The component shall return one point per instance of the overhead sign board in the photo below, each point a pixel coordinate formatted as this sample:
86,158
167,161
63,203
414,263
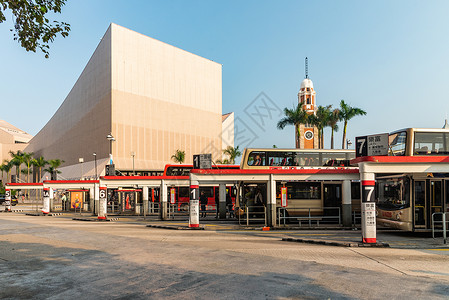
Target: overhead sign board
372,145
202,161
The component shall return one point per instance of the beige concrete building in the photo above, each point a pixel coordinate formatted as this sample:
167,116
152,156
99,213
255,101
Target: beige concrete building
152,97
11,139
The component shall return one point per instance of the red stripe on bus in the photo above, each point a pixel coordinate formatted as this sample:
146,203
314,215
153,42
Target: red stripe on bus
278,171
368,182
401,159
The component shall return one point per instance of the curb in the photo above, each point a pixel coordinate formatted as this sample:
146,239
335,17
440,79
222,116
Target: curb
337,243
95,219
175,227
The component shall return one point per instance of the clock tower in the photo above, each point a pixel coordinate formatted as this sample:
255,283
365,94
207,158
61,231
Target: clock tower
307,95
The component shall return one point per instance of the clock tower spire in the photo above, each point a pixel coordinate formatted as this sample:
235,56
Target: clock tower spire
308,138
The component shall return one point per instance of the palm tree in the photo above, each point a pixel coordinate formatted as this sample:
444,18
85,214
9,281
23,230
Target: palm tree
295,116
179,156
334,118
17,160
321,120
28,161
3,169
233,153
54,164
7,166
39,163
347,113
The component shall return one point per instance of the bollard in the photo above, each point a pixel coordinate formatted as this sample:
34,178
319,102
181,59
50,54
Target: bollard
102,209
46,207
194,216
7,200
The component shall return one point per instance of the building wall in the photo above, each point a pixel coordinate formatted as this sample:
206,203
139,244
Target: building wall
164,99
152,97
80,125
228,132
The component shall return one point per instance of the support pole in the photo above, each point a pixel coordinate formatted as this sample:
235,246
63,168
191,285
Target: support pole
194,213
145,200
7,200
271,202
46,207
368,208
52,196
95,211
163,202
222,201
346,203
102,201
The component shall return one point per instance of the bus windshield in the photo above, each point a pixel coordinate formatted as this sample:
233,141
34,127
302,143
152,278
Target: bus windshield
431,143
393,193
397,143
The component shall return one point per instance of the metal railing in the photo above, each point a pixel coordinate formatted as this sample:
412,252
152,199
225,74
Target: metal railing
444,221
282,215
253,213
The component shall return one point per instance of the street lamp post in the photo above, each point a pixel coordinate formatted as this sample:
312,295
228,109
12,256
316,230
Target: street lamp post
110,139
348,143
95,159
133,154
81,160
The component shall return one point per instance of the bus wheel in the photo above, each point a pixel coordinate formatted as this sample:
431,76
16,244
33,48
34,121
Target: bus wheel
184,207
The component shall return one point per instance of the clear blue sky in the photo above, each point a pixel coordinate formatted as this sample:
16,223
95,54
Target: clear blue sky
390,58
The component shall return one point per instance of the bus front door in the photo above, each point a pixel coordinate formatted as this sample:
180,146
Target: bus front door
436,200
420,219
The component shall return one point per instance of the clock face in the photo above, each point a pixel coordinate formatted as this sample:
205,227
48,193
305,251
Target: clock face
308,135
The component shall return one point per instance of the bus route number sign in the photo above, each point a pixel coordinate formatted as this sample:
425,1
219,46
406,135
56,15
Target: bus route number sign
202,161
372,145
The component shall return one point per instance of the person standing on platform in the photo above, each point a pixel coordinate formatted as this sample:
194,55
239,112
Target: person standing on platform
203,202
229,205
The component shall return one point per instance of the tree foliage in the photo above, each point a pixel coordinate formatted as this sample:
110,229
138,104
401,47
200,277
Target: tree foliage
295,116
233,153
348,112
32,27
179,156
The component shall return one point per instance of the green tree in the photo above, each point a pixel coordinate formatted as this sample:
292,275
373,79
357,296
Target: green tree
295,116
39,163
233,153
334,118
6,167
33,29
321,120
28,161
53,166
179,156
347,113
17,161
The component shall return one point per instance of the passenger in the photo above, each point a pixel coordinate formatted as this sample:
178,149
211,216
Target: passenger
229,205
258,161
217,205
284,161
203,202
258,199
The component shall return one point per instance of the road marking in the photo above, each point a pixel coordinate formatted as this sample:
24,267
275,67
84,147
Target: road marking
439,249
